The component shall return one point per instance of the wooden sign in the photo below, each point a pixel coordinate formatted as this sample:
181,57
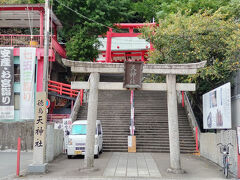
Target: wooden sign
133,74
131,143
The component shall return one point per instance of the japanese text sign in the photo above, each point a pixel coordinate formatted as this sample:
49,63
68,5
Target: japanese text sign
27,74
40,124
6,83
133,74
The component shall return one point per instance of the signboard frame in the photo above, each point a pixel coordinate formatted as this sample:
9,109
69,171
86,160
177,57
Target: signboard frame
133,74
217,108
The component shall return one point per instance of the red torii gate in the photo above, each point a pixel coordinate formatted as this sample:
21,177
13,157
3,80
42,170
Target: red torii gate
131,33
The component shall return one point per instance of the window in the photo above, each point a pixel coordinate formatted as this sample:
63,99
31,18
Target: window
79,129
16,72
99,129
16,101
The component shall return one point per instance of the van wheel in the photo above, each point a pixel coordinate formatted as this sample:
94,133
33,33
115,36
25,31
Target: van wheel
69,157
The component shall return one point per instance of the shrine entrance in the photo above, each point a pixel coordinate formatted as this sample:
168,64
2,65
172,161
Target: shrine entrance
133,80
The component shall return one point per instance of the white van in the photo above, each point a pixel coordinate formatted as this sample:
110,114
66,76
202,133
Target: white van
77,139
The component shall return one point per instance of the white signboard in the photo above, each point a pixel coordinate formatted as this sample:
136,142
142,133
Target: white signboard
67,127
217,108
27,66
58,125
129,141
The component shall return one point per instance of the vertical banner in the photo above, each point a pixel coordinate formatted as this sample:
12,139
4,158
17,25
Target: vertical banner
67,127
27,66
40,125
6,83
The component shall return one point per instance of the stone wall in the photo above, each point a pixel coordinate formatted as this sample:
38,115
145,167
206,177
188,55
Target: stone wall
9,133
54,142
209,149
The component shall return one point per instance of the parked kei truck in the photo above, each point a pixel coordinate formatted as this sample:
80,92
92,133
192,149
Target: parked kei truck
77,139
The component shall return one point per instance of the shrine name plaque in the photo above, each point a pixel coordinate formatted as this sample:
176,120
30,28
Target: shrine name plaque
133,74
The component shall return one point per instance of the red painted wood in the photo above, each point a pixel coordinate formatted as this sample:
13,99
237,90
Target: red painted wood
18,155
52,117
81,97
60,50
41,28
182,99
23,8
62,89
109,44
40,75
133,25
196,131
125,34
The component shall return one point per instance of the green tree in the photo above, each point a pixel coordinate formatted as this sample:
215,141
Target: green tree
82,27
202,36
160,9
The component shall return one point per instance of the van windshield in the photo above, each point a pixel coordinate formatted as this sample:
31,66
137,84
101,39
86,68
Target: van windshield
79,129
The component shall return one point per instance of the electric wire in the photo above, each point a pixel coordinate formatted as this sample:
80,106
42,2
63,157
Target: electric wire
84,16
29,21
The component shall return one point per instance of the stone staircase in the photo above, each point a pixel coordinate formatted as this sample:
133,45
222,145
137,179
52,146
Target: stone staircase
151,123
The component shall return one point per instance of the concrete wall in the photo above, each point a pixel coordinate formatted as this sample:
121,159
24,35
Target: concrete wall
209,149
54,142
235,111
9,133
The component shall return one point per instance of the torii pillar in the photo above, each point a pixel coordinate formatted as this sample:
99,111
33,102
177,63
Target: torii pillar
175,165
170,70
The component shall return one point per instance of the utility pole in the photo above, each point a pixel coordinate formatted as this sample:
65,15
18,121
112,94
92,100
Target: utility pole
46,47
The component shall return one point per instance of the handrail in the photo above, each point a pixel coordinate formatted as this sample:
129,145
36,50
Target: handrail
26,40
60,50
192,119
64,89
52,117
61,88
187,103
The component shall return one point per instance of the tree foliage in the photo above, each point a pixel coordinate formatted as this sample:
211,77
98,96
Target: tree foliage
160,9
80,32
201,36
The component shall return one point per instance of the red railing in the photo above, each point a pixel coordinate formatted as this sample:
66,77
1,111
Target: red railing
64,89
60,50
20,40
56,117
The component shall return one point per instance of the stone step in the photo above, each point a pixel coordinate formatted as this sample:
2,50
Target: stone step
151,121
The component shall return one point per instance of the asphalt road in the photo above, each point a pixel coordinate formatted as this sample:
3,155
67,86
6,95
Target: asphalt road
8,161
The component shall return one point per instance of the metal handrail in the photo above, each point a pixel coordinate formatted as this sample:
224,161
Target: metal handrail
192,119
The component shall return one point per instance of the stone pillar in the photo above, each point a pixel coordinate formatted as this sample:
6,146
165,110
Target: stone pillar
91,120
175,165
